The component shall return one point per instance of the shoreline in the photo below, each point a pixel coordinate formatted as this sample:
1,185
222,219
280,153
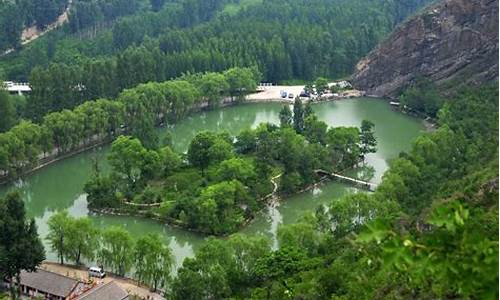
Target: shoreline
177,224
5,179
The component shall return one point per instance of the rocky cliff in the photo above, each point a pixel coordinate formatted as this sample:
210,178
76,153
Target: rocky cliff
452,42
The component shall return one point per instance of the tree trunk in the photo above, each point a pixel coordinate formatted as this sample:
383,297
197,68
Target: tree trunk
12,289
61,251
18,281
78,257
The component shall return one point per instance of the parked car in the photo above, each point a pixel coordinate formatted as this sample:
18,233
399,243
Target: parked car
305,94
291,96
96,272
283,94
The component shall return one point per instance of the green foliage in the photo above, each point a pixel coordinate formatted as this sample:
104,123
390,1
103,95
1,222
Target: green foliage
207,148
367,138
132,162
285,40
8,111
81,240
321,85
59,230
101,192
153,261
298,115
343,145
116,249
286,117
20,246
315,130
429,231
422,97
135,112
72,238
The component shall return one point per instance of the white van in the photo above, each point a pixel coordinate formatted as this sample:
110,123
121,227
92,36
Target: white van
96,272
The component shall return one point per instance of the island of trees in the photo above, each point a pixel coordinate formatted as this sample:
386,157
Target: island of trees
223,181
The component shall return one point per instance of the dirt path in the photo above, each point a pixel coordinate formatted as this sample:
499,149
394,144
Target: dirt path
32,33
129,285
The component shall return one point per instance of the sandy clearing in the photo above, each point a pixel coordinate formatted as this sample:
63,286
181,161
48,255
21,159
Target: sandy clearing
274,93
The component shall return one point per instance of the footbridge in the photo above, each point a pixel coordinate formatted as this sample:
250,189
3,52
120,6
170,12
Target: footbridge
360,183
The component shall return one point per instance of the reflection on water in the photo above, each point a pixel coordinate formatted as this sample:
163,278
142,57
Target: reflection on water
60,185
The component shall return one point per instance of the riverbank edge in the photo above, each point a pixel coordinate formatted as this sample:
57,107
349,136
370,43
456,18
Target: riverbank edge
174,223
105,141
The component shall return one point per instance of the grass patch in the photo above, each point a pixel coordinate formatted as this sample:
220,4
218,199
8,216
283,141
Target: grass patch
234,8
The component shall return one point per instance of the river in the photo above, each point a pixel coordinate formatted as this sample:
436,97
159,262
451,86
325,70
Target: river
60,185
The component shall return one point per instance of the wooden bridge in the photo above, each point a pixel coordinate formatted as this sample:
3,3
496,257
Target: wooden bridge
360,183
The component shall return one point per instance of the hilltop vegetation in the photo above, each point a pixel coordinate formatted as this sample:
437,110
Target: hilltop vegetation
17,15
286,39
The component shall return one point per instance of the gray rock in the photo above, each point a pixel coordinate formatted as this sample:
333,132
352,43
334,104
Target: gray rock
453,42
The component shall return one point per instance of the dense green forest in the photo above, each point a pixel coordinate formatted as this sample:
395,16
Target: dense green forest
93,57
16,15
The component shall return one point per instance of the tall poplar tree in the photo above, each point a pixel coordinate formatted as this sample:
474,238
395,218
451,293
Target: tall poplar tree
20,246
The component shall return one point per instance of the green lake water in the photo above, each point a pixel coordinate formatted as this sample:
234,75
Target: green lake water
60,185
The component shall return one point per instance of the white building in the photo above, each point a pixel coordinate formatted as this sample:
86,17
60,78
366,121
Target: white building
17,88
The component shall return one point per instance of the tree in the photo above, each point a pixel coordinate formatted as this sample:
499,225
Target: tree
241,81
246,251
132,162
208,275
101,192
207,148
7,111
20,246
116,249
315,130
153,261
321,85
170,160
219,207
81,240
298,115
144,130
343,145
367,138
246,141
212,86
351,212
308,109
236,168
59,230
299,236
286,117
156,5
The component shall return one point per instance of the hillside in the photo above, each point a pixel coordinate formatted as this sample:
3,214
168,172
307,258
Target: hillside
452,43
23,20
286,39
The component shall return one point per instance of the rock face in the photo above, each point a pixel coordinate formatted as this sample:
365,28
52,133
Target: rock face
453,42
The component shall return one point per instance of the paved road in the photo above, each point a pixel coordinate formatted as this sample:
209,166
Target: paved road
127,284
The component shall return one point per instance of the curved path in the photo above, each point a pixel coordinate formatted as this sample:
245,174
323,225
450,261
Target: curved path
32,33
